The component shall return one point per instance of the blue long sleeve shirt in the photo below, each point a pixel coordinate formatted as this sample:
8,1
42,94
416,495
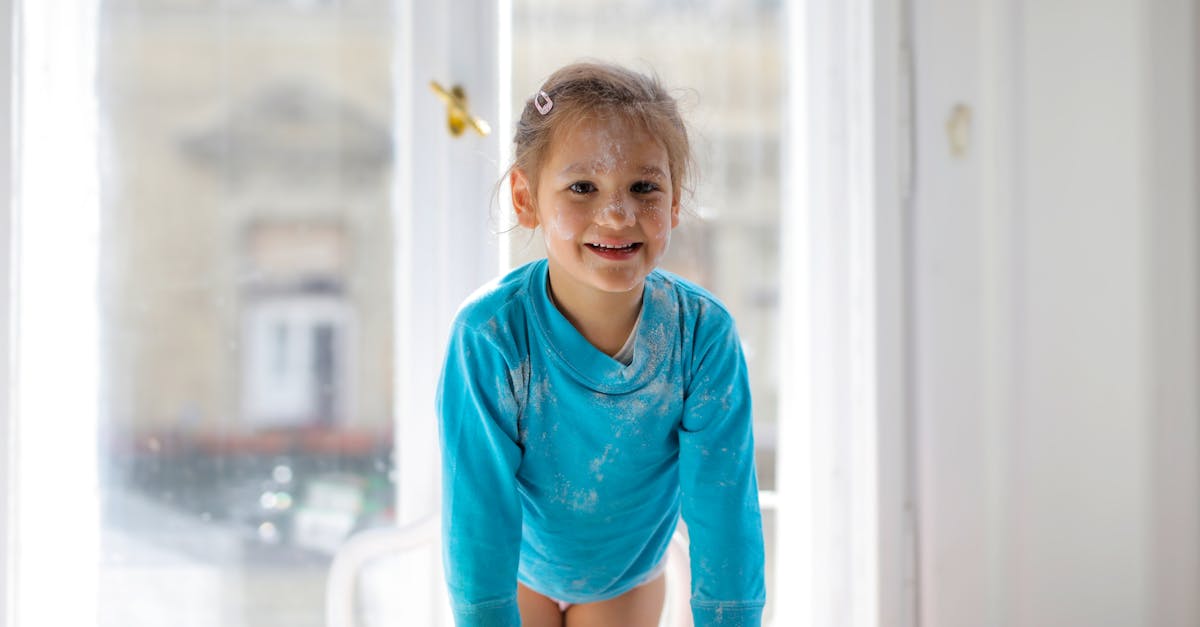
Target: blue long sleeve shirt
567,470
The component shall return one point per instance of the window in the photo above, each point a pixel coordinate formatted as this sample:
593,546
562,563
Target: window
246,290
245,305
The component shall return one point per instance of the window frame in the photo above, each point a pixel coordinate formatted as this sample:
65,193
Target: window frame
36,539
845,484
456,251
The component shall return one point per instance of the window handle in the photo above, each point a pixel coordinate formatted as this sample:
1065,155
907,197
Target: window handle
457,114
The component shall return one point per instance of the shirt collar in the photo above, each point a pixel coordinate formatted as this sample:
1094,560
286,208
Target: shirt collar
655,337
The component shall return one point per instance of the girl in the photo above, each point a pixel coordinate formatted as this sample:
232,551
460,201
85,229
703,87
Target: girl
589,399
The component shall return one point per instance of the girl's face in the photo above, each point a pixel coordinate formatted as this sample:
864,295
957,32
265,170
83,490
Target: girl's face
605,202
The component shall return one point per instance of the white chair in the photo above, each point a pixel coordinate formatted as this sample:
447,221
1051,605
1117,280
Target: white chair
366,546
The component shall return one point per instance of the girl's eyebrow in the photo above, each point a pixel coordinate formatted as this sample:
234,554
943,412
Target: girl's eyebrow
576,168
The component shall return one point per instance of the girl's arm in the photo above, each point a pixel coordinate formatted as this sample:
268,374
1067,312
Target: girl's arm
481,509
719,489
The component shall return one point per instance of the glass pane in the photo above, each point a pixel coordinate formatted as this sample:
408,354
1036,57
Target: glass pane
726,61
246,280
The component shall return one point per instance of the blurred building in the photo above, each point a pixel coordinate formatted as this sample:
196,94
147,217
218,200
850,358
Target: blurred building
246,271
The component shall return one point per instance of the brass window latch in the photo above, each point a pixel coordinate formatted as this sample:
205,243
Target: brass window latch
458,116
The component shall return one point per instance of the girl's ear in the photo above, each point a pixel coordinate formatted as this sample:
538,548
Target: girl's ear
522,199
675,212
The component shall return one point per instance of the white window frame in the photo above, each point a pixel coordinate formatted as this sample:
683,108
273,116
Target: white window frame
52,315
845,512
442,237
441,213
845,354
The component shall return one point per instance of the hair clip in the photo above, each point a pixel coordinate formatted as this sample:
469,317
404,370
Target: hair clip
543,107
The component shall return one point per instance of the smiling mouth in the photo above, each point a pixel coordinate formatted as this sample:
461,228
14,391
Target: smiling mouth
628,248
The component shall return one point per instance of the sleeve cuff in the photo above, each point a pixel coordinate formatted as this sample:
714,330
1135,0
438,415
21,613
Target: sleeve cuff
727,613
502,613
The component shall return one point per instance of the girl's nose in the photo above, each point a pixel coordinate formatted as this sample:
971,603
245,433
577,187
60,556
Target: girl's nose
618,213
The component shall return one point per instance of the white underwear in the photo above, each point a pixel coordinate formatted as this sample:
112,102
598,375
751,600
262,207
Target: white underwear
563,606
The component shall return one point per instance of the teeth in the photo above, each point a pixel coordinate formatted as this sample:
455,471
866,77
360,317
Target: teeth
612,247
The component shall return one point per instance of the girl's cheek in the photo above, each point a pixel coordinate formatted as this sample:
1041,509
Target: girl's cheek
558,228
565,225
664,239
656,218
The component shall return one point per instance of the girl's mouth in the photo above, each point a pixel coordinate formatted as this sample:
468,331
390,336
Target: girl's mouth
615,252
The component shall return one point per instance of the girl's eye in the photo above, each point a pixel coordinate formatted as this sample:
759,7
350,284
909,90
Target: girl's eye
582,187
643,187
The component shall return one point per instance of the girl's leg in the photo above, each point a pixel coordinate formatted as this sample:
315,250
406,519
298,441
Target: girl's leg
640,607
537,610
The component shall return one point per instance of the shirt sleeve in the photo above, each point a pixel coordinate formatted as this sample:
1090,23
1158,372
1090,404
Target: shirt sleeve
719,489
481,508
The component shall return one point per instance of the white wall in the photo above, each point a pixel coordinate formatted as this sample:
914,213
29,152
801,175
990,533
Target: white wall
1054,314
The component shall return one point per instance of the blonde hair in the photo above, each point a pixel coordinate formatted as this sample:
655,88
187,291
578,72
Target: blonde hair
589,88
